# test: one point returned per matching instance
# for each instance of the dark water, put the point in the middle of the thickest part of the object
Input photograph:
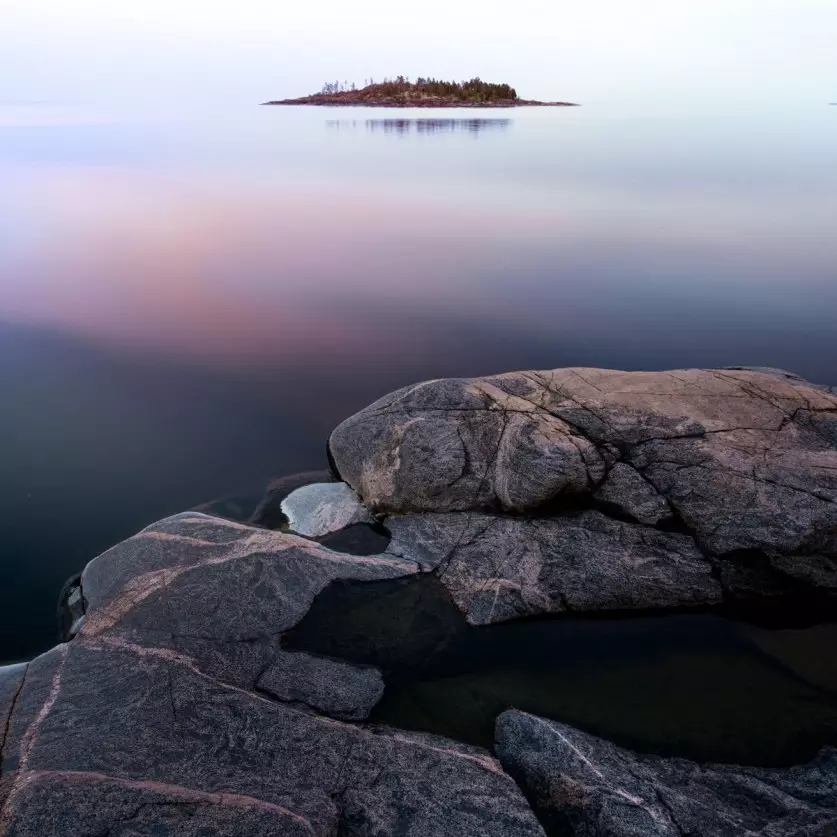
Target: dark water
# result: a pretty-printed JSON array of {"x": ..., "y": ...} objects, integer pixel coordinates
[
  {"x": 698, "y": 686},
  {"x": 189, "y": 304}
]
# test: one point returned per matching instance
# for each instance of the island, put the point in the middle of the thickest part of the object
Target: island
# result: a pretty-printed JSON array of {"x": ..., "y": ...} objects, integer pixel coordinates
[{"x": 400, "y": 92}]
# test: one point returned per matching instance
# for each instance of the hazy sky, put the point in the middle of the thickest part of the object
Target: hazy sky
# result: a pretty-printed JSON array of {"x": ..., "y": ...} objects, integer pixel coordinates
[{"x": 592, "y": 51}]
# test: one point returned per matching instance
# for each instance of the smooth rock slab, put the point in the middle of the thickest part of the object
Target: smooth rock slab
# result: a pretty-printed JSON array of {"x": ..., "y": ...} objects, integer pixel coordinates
[
  {"x": 499, "y": 568},
  {"x": 320, "y": 509},
  {"x": 583, "y": 785},
  {"x": 337, "y": 689}
]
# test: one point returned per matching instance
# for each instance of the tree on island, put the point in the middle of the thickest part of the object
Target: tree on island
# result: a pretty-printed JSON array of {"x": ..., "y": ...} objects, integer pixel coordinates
[{"x": 400, "y": 87}]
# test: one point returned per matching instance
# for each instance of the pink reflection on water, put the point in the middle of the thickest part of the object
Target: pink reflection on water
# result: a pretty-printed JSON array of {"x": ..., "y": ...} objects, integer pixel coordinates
[{"x": 229, "y": 271}]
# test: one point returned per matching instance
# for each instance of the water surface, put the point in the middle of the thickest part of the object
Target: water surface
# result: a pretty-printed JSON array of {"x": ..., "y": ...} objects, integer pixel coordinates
[
  {"x": 693, "y": 685},
  {"x": 189, "y": 303}
]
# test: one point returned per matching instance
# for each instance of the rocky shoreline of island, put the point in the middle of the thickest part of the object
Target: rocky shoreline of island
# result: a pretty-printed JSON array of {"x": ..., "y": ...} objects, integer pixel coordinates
[
  {"x": 335, "y": 101},
  {"x": 421, "y": 93}
]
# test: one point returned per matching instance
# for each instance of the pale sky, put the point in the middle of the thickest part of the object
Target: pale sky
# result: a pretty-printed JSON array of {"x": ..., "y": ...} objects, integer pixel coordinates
[{"x": 598, "y": 52}]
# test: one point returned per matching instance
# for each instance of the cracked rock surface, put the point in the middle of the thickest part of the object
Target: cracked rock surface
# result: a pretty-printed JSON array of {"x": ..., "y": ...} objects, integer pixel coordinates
[
  {"x": 583, "y": 785},
  {"x": 157, "y": 718},
  {"x": 499, "y": 568},
  {"x": 716, "y": 484}
]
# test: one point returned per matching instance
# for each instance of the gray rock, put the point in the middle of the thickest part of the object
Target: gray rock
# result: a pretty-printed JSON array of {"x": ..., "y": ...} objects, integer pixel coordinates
[
  {"x": 582, "y": 785},
  {"x": 112, "y": 732},
  {"x": 499, "y": 568},
  {"x": 744, "y": 461},
  {"x": 334, "y": 688},
  {"x": 322, "y": 508},
  {"x": 633, "y": 495},
  {"x": 204, "y": 578},
  {"x": 154, "y": 721},
  {"x": 11, "y": 681}
]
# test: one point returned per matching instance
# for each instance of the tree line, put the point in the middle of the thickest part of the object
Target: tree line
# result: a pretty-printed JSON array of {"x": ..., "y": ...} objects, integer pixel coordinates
[{"x": 473, "y": 90}]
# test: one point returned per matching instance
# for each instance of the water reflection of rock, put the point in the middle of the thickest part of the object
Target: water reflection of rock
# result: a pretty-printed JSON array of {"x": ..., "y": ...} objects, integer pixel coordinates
[{"x": 404, "y": 127}]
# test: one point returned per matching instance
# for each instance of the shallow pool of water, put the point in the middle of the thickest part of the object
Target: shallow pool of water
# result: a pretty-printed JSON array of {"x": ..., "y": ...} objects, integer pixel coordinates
[{"x": 700, "y": 686}]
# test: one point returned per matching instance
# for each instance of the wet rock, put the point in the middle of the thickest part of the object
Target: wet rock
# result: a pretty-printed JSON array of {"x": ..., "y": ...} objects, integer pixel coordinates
[
  {"x": 744, "y": 461},
  {"x": 323, "y": 508},
  {"x": 329, "y": 686},
  {"x": 499, "y": 568},
  {"x": 583, "y": 785},
  {"x": 240, "y": 505},
  {"x": 396, "y": 625},
  {"x": 269, "y": 512}
]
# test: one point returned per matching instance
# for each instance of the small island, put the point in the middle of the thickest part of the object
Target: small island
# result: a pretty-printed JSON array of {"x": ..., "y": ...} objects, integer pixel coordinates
[{"x": 400, "y": 92}]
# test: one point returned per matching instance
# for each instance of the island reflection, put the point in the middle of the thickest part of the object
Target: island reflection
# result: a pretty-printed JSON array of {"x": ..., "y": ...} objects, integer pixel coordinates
[{"x": 403, "y": 127}]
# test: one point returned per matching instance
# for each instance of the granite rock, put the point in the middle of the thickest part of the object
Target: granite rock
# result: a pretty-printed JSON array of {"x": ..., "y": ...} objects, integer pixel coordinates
[
  {"x": 499, "y": 568},
  {"x": 109, "y": 732},
  {"x": 176, "y": 710},
  {"x": 156, "y": 718},
  {"x": 741, "y": 461},
  {"x": 332, "y": 687},
  {"x": 626, "y": 490},
  {"x": 582, "y": 785}
]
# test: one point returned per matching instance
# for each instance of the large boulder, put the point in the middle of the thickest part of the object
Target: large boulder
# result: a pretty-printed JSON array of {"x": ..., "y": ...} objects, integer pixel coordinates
[
  {"x": 174, "y": 711},
  {"x": 721, "y": 483},
  {"x": 582, "y": 785}
]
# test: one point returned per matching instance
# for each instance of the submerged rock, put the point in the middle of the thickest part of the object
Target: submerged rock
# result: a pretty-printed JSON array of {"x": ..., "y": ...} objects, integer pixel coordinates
[
  {"x": 323, "y": 508},
  {"x": 583, "y": 785},
  {"x": 269, "y": 512}
]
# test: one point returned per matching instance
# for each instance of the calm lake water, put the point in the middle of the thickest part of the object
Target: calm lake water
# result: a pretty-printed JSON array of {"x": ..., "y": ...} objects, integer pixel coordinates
[{"x": 189, "y": 304}]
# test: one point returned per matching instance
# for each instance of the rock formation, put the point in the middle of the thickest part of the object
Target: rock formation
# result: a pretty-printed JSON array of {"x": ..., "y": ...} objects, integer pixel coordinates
[
  {"x": 582, "y": 785},
  {"x": 174, "y": 709},
  {"x": 716, "y": 484}
]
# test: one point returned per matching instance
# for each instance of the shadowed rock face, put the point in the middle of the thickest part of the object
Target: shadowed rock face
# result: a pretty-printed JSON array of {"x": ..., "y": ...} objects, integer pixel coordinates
[
  {"x": 585, "y": 786},
  {"x": 492, "y": 472}
]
